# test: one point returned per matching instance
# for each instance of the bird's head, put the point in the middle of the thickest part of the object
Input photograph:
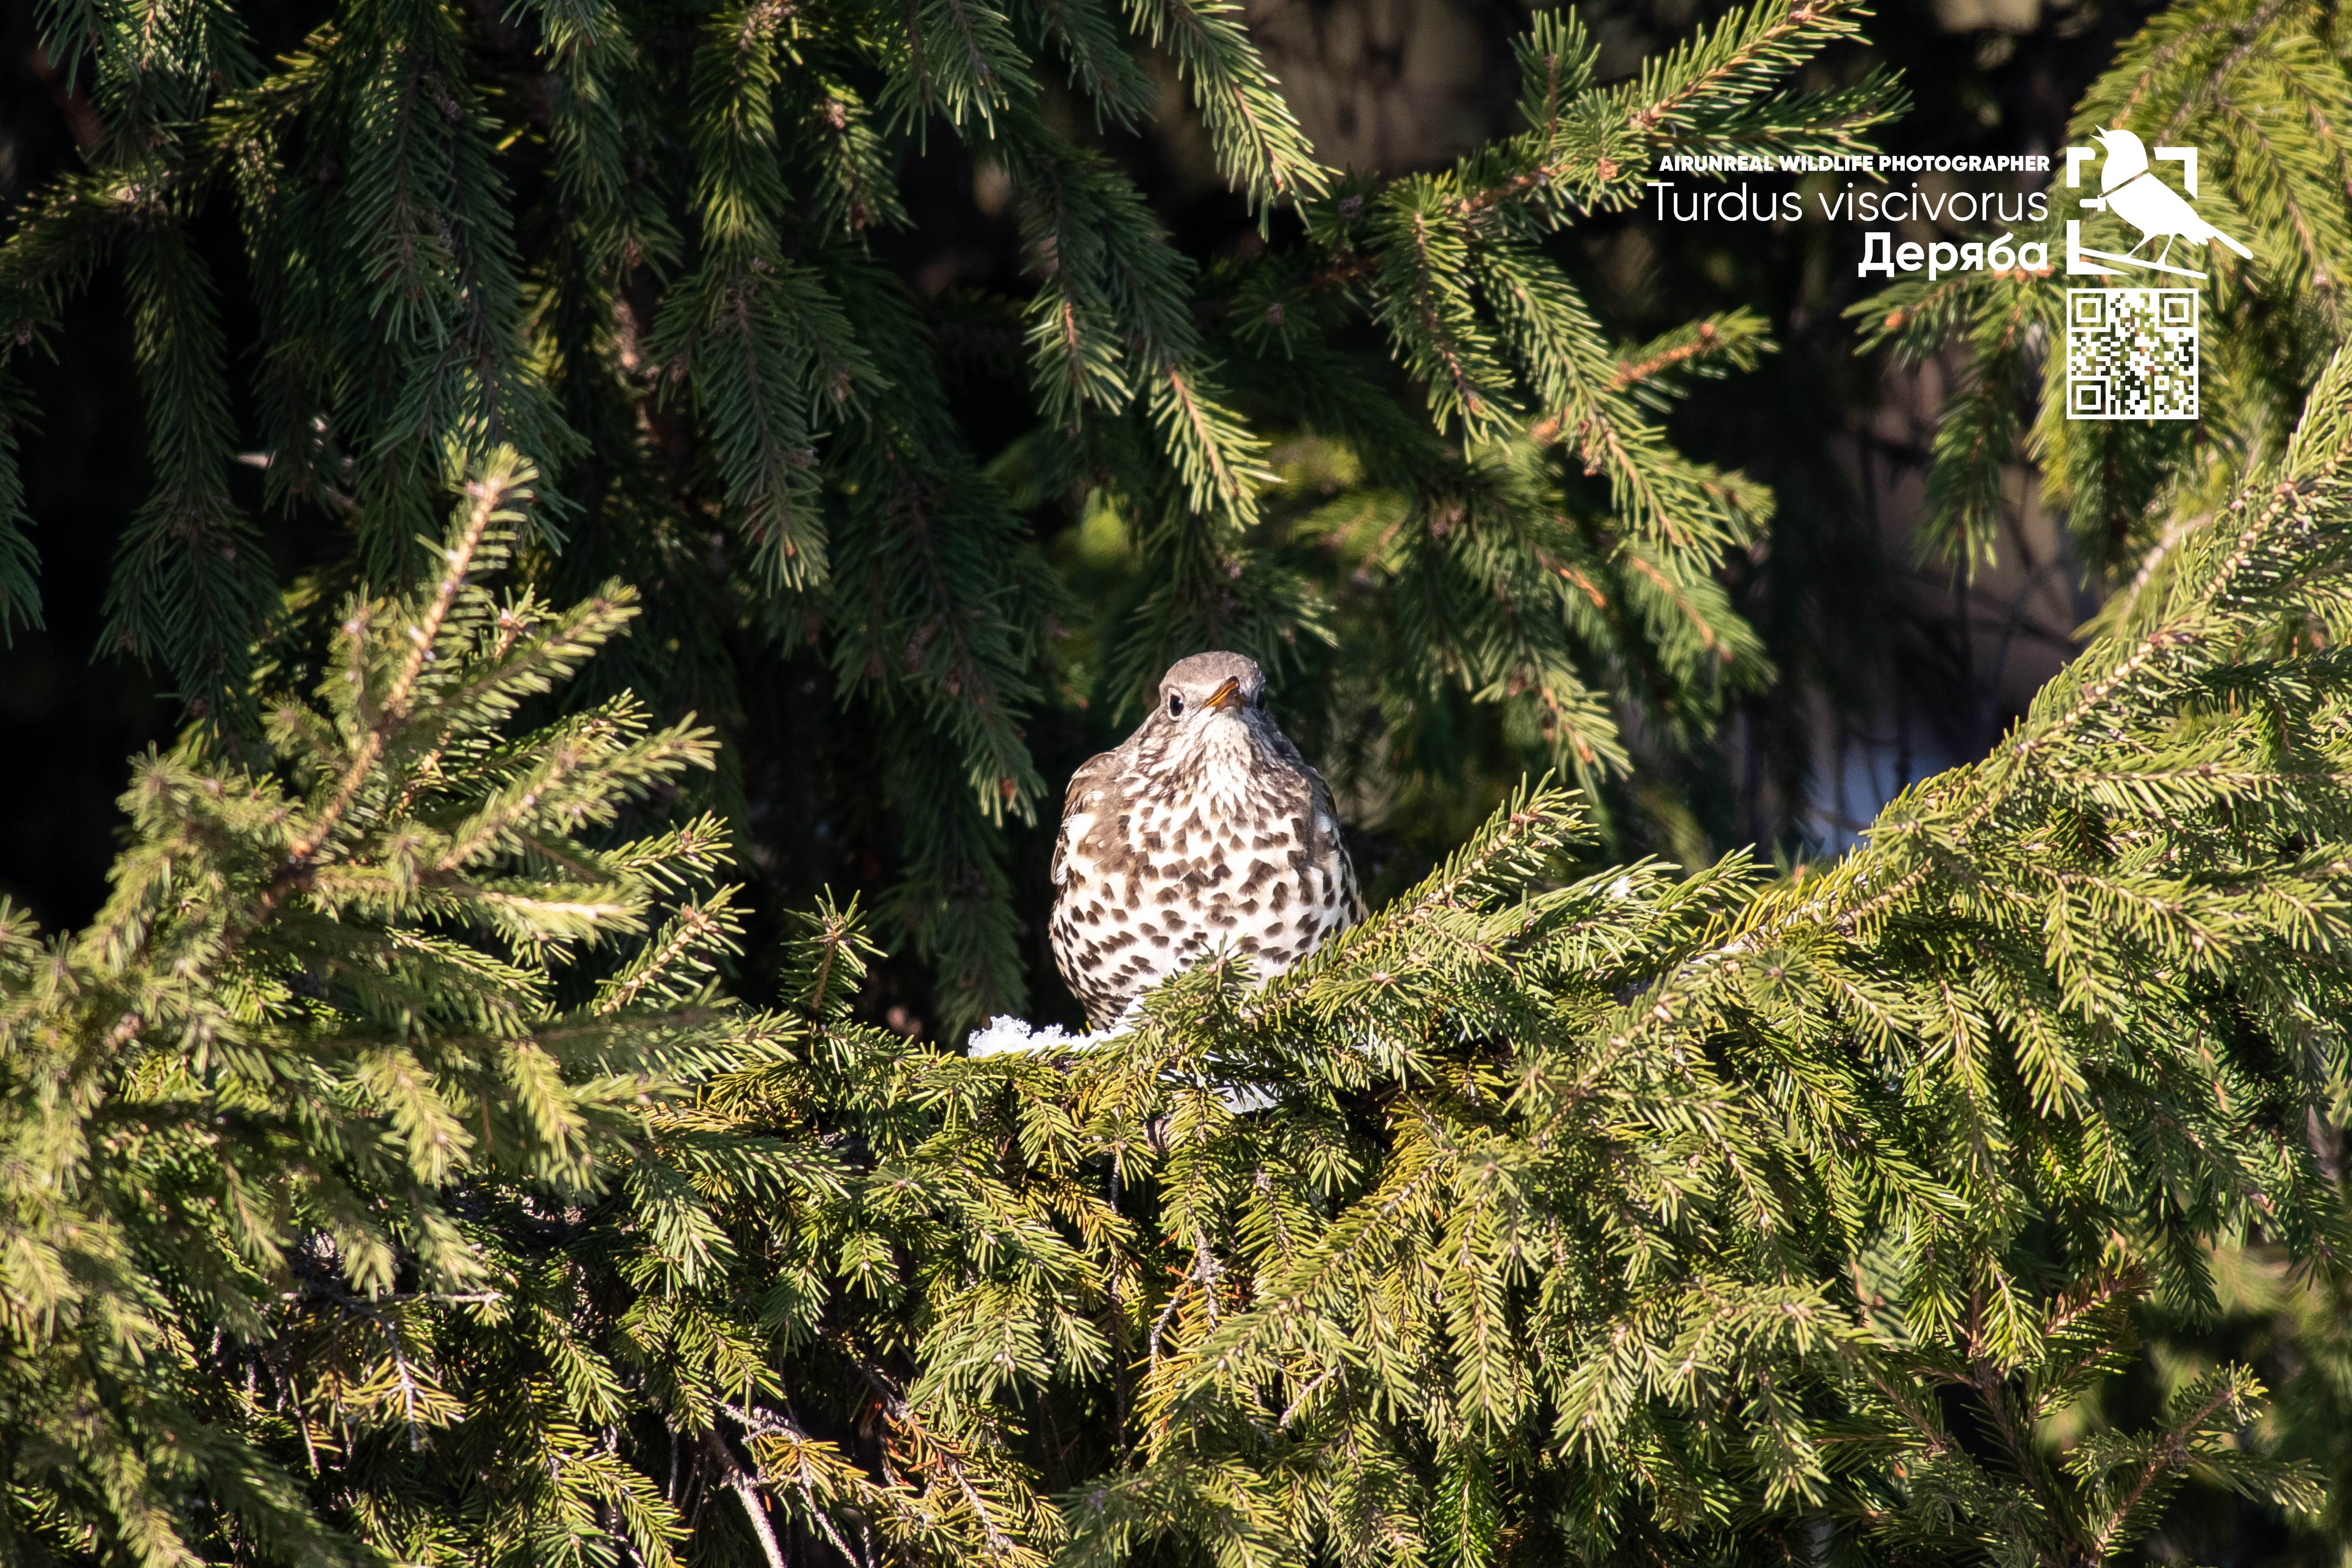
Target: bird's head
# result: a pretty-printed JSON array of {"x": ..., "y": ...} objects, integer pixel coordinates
[
  {"x": 1208, "y": 702},
  {"x": 2127, "y": 156},
  {"x": 1209, "y": 687}
]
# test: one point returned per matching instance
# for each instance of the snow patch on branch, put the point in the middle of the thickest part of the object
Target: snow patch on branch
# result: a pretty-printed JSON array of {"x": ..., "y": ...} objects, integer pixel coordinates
[{"x": 1007, "y": 1035}]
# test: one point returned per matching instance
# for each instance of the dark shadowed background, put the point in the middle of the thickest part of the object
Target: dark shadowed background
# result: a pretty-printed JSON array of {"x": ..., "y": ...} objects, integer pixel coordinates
[{"x": 1889, "y": 669}]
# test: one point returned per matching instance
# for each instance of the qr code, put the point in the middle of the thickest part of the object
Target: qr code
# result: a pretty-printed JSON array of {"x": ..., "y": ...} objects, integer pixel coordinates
[{"x": 2131, "y": 353}]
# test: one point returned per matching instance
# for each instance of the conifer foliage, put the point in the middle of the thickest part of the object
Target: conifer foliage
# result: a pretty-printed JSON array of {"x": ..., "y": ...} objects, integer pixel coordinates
[
  {"x": 355, "y": 1208},
  {"x": 2261, "y": 91},
  {"x": 385, "y": 1177},
  {"x": 638, "y": 244},
  {"x": 1630, "y": 1219},
  {"x": 322, "y": 1040}
]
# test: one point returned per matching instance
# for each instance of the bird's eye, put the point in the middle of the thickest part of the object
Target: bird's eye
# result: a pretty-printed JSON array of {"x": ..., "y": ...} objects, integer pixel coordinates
[{"x": 1175, "y": 706}]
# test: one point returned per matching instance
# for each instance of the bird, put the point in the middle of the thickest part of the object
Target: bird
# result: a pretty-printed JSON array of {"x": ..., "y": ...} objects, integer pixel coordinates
[
  {"x": 2132, "y": 192},
  {"x": 1204, "y": 831}
]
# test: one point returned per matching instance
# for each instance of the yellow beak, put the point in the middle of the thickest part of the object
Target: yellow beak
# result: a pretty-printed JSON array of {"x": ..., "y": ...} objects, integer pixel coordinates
[{"x": 1225, "y": 694}]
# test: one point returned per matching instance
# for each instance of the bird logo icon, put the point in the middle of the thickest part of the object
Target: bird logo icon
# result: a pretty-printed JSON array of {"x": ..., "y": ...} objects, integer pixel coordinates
[
  {"x": 2129, "y": 188},
  {"x": 2132, "y": 353}
]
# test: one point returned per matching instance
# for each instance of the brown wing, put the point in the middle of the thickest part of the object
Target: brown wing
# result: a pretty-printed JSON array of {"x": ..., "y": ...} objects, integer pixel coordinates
[
  {"x": 1324, "y": 839},
  {"x": 1093, "y": 777}
]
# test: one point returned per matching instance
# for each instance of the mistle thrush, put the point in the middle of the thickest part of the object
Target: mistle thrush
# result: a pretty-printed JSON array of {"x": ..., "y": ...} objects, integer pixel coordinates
[{"x": 1204, "y": 830}]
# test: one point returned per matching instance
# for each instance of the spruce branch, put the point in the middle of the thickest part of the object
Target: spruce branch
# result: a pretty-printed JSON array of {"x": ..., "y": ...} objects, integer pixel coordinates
[{"x": 506, "y": 479}]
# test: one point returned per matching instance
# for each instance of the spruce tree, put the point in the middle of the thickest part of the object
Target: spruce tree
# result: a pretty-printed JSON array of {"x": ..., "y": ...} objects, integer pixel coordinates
[
  {"x": 1391, "y": 451},
  {"x": 355, "y": 1209},
  {"x": 2262, "y": 92},
  {"x": 389, "y": 1177}
]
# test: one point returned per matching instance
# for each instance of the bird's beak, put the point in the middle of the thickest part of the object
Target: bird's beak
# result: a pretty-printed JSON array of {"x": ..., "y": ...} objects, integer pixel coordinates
[
  {"x": 1225, "y": 694},
  {"x": 2099, "y": 135}
]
